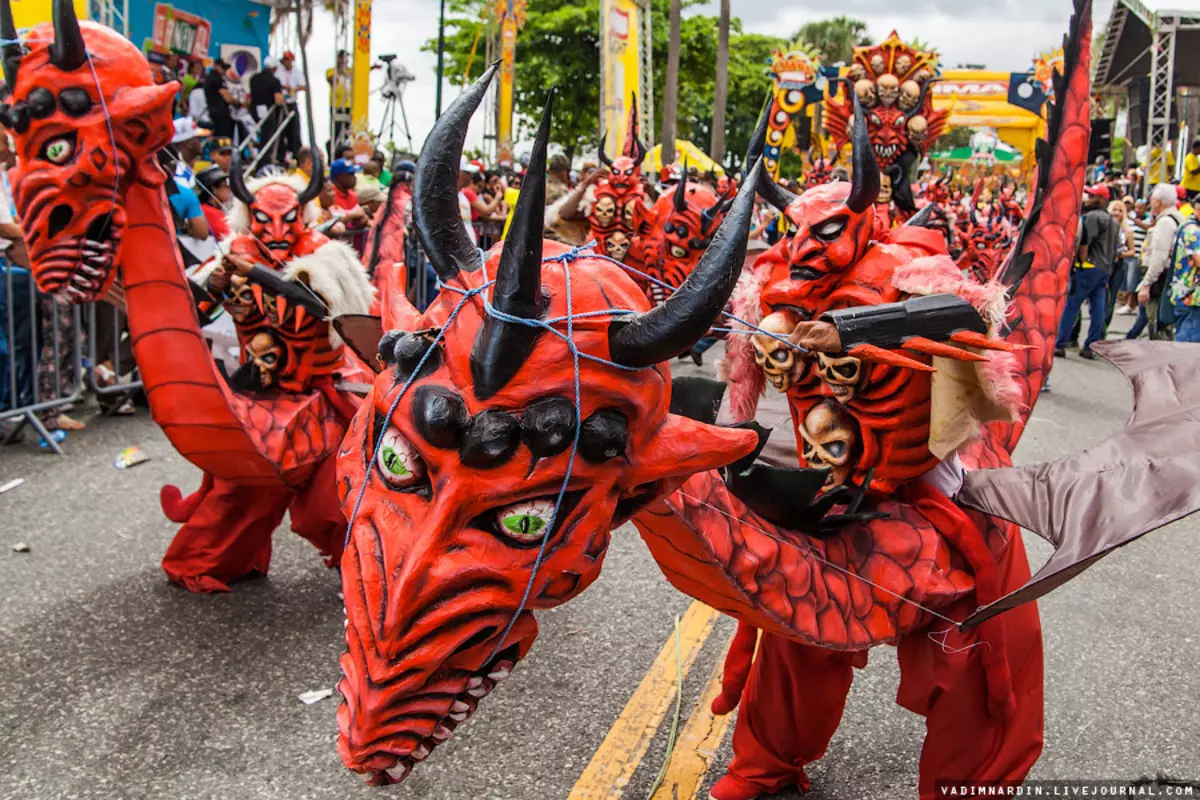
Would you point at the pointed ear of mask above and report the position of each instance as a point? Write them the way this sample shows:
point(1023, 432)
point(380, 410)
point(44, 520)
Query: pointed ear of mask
point(362, 332)
point(684, 447)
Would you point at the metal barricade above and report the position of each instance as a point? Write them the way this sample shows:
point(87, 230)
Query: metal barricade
point(111, 371)
point(41, 367)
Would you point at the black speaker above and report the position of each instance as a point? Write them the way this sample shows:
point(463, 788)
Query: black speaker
point(1139, 112)
point(1101, 142)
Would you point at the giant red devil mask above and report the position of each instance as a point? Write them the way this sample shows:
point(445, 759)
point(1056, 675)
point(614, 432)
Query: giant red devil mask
point(69, 180)
point(449, 517)
point(833, 222)
point(891, 82)
point(274, 210)
point(625, 171)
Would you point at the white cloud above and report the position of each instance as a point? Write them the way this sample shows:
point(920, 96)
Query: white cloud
point(1001, 35)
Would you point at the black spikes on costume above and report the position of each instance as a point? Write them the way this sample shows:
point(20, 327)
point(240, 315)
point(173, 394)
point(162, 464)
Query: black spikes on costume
point(864, 187)
point(68, 52)
point(502, 347)
point(435, 187)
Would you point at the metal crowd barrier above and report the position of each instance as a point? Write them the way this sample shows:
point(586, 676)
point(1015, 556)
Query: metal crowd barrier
point(111, 371)
point(32, 344)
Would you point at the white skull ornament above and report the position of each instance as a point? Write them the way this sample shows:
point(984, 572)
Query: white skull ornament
point(910, 95)
point(888, 87)
point(829, 439)
point(267, 354)
point(865, 91)
point(604, 212)
point(240, 301)
point(779, 362)
point(841, 374)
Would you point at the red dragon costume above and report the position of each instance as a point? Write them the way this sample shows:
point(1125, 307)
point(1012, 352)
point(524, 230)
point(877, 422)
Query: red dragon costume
point(469, 510)
point(88, 122)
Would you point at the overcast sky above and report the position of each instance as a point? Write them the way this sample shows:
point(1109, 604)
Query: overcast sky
point(1001, 34)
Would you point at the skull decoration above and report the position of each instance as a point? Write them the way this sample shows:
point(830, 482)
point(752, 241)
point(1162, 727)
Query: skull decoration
point(605, 211)
point(856, 72)
point(830, 438)
point(240, 301)
point(923, 75)
point(877, 64)
point(778, 361)
point(903, 64)
point(841, 374)
point(267, 354)
point(865, 91)
point(910, 95)
point(888, 87)
point(918, 126)
point(616, 245)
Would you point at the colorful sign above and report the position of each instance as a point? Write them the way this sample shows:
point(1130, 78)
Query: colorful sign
point(180, 32)
point(798, 80)
point(621, 68)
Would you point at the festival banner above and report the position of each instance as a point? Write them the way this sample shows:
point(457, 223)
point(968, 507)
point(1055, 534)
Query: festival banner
point(28, 13)
point(621, 68)
point(512, 16)
point(361, 69)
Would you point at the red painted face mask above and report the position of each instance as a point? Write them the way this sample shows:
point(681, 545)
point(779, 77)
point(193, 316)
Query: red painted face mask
point(451, 484)
point(276, 220)
point(69, 181)
point(684, 221)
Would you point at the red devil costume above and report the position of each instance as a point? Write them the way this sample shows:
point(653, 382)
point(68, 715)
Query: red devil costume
point(528, 412)
point(88, 122)
point(683, 223)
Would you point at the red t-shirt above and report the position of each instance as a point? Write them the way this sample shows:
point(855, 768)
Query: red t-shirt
point(346, 200)
point(471, 197)
point(215, 218)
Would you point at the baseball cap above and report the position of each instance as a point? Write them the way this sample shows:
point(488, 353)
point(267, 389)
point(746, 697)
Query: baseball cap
point(1181, 192)
point(288, 55)
point(1099, 190)
point(467, 166)
point(186, 129)
point(270, 62)
point(343, 166)
point(211, 176)
point(220, 143)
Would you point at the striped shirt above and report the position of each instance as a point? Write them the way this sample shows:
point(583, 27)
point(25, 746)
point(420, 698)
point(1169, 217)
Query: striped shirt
point(1139, 239)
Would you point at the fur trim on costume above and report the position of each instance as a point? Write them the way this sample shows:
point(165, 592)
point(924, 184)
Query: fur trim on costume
point(239, 216)
point(745, 378)
point(334, 273)
point(940, 275)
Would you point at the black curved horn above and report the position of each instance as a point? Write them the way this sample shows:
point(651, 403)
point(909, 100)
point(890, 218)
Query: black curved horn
point(315, 181)
point(709, 215)
point(502, 347)
point(604, 159)
point(237, 181)
point(680, 199)
point(637, 150)
point(435, 186)
point(771, 191)
point(686, 316)
point(864, 188)
point(68, 52)
point(13, 50)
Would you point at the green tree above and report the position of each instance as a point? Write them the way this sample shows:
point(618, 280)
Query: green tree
point(835, 38)
point(560, 46)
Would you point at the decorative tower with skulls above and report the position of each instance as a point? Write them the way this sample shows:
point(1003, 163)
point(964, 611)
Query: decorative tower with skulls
point(798, 82)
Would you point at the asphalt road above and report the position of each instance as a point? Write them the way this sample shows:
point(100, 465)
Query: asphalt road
point(118, 685)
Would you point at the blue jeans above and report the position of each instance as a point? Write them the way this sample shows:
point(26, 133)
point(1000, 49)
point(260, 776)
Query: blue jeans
point(1090, 285)
point(1187, 324)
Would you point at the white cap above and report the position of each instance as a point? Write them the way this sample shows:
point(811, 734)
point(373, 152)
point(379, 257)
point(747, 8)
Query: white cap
point(270, 62)
point(466, 166)
point(186, 128)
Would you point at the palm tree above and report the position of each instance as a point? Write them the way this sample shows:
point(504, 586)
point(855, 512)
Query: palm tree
point(721, 90)
point(671, 90)
point(835, 38)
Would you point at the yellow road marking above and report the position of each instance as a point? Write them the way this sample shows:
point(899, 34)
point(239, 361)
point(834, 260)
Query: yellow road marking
point(622, 750)
point(697, 745)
